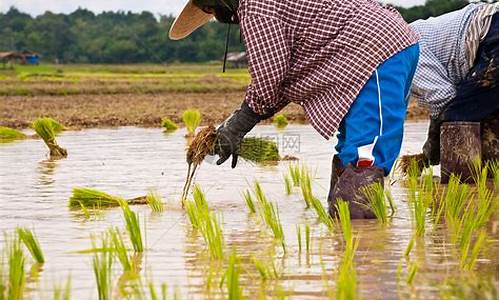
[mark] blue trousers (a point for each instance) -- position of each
(371, 133)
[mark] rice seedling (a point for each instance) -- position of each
(288, 185)
(377, 202)
(191, 119)
(307, 232)
(118, 246)
(306, 187)
(455, 202)
(347, 278)
(155, 202)
(468, 258)
(10, 134)
(62, 293)
(16, 261)
(295, 173)
(269, 213)
(153, 294)
(345, 222)
(267, 270)
(494, 169)
(420, 195)
(31, 242)
(252, 149)
(47, 129)
(102, 263)
(323, 215)
(232, 277)
(92, 198)
(133, 227)
(412, 271)
(249, 201)
(299, 239)
(280, 121)
(409, 248)
(168, 125)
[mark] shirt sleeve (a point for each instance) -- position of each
(431, 85)
(268, 55)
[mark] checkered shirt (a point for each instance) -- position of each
(448, 46)
(317, 53)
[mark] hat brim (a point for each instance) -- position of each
(190, 19)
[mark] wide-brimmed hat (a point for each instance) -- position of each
(190, 18)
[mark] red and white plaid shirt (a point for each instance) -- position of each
(317, 53)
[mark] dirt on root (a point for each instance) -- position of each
(145, 110)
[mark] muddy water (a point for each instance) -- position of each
(128, 161)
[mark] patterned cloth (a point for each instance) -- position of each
(446, 49)
(317, 53)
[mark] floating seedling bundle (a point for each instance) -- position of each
(92, 198)
(47, 129)
(8, 134)
(254, 149)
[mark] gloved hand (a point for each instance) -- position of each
(231, 133)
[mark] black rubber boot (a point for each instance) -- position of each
(336, 172)
(349, 188)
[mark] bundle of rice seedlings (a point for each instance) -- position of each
(168, 124)
(92, 198)
(252, 149)
(10, 134)
(192, 119)
(47, 129)
(280, 121)
(155, 201)
(421, 162)
(31, 242)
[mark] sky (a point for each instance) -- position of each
(164, 7)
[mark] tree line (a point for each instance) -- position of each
(126, 37)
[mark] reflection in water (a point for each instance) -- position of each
(132, 160)
(46, 169)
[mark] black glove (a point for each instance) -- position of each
(231, 133)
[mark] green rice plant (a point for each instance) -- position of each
(249, 201)
(259, 193)
(10, 134)
(455, 202)
(494, 169)
(409, 248)
(232, 278)
(378, 201)
(468, 258)
(347, 278)
(412, 271)
(120, 250)
(345, 222)
(213, 235)
(155, 202)
(280, 121)
(258, 150)
(307, 232)
(295, 174)
(133, 227)
(16, 281)
(88, 197)
(102, 263)
(288, 185)
(62, 293)
(153, 295)
(323, 215)
(267, 270)
(191, 119)
(168, 125)
(31, 242)
(299, 239)
(420, 196)
(270, 214)
(47, 129)
(306, 187)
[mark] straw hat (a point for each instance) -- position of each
(190, 18)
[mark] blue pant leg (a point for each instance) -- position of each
(373, 128)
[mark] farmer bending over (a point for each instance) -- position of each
(349, 64)
(457, 75)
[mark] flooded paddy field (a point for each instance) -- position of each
(129, 161)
